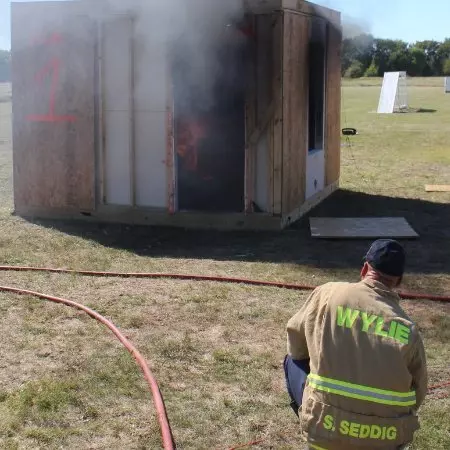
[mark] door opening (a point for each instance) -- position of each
(209, 118)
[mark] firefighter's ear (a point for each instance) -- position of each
(364, 270)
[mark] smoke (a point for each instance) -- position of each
(352, 27)
(358, 22)
(196, 36)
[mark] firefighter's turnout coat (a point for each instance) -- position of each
(368, 370)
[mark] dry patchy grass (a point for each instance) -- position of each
(216, 349)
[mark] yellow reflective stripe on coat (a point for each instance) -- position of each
(359, 392)
(315, 447)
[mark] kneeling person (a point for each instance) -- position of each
(368, 370)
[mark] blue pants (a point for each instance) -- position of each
(295, 373)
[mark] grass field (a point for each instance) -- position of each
(217, 350)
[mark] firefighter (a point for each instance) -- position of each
(362, 360)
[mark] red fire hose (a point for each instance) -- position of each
(166, 431)
(282, 285)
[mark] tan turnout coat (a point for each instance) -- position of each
(368, 369)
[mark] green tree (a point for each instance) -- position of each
(446, 68)
(384, 48)
(418, 66)
(444, 51)
(377, 56)
(372, 71)
(356, 70)
(399, 60)
(5, 66)
(433, 65)
(358, 48)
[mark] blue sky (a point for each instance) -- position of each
(410, 20)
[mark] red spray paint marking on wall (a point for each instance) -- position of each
(54, 38)
(52, 69)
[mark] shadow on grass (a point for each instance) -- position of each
(429, 254)
(426, 110)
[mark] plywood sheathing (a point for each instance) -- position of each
(295, 109)
(53, 110)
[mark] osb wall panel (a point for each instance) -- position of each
(333, 106)
(295, 109)
(53, 106)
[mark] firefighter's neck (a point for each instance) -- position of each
(370, 274)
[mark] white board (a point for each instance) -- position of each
(117, 104)
(393, 97)
(315, 173)
(135, 114)
(447, 85)
(150, 116)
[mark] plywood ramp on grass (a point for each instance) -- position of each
(361, 228)
(437, 188)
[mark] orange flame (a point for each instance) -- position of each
(190, 133)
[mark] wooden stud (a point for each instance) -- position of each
(333, 105)
(159, 217)
(132, 113)
(170, 145)
(101, 117)
(297, 213)
(250, 126)
(270, 185)
(437, 188)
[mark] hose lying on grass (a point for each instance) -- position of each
(177, 276)
(166, 431)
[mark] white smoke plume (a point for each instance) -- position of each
(194, 30)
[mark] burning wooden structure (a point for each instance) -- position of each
(108, 125)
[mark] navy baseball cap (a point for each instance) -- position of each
(387, 256)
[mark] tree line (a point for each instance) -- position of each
(5, 66)
(365, 55)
